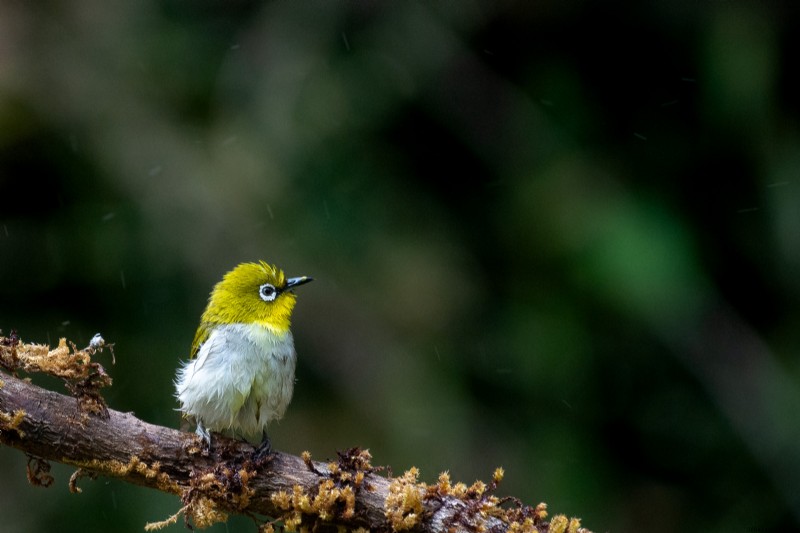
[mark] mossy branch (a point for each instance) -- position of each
(299, 493)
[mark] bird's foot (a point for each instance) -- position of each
(263, 450)
(204, 434)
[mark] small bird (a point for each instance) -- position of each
(240, 374)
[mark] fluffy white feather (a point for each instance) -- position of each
(241, 380)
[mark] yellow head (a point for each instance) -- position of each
(251, 293)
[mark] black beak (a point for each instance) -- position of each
(294, 282)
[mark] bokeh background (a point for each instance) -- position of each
(560, 237)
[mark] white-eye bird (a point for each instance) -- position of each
(240, 375)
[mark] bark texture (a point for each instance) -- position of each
(229, 477)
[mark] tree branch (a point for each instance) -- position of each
(228, 478)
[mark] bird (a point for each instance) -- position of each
(240, 373)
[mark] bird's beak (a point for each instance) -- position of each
(294, 282)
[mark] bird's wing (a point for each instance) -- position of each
(200, 336)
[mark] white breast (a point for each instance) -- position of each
(241, 379)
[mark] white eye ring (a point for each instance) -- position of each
(267, 292)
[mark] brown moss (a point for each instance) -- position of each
(358, 479)
(558, 524)
(38, 472)
(12, 421)
(403, 506)
(527, 526)
(266, 528)
(82, 377)
(332, 499)
(498, 475)
(76, 475)
(114, 468)
(540, 512)
(210, 496)
(225, 484)
(443, 487)
(356, 459)
(408, 500)
(8, 352)
(306, 457)
(161, 524)
(325, 502)
(204, 512)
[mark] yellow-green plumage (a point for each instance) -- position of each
(235, 301)
(240, 375)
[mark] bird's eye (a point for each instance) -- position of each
(267, 292)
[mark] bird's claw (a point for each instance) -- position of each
(204, 434)
(263, 450)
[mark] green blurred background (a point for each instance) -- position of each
(560, 237)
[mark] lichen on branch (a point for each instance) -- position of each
(280, 492)
(83, 377)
